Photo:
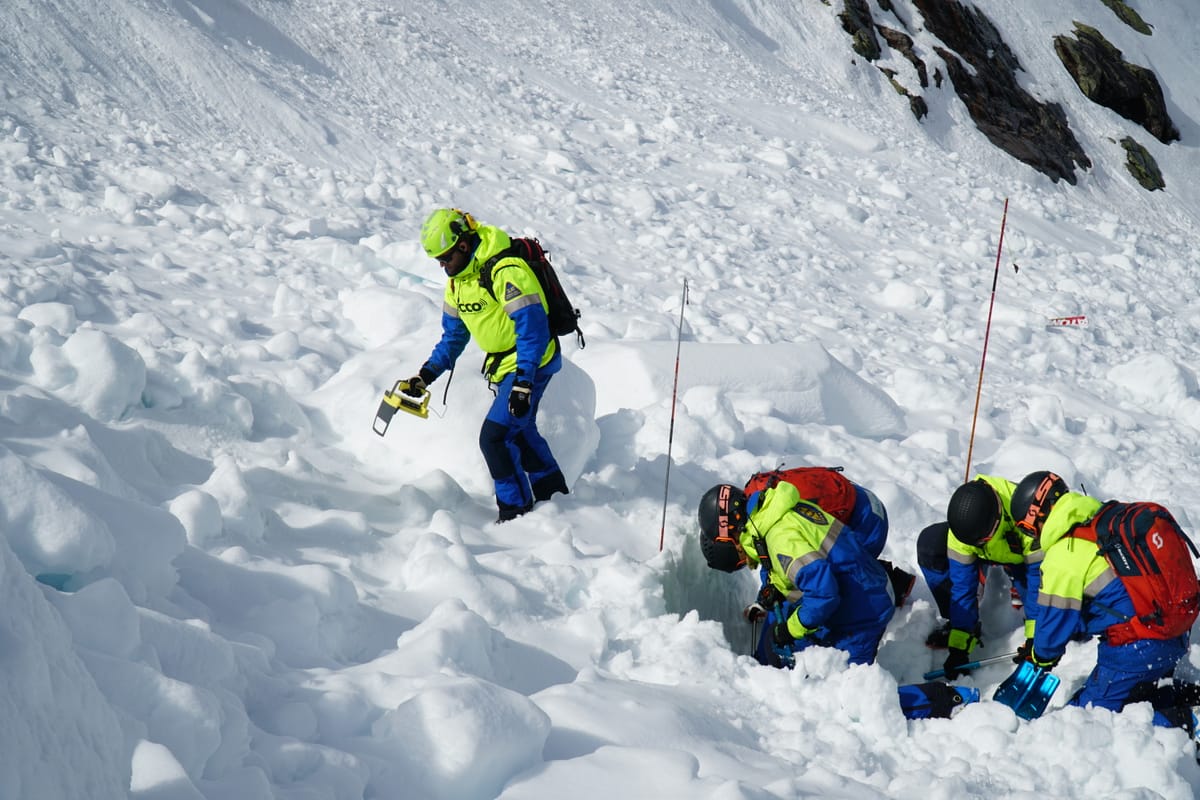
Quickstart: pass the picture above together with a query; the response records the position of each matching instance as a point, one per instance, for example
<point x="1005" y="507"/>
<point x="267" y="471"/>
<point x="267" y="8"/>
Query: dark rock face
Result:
<point x="916" y="103"/>
<point x="903" y="43"/>
<point x="1129" y="16"/>
<point x="1105" y="78"/>
<point x="983" y="70"/>
<point x="856" y="21"/>
<point x="1141" y="165"/>
<point x="1012" y="119"/>
<point x="967" y="31"/>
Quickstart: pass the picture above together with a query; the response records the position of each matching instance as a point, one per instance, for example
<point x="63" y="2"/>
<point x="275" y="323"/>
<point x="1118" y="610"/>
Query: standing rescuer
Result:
<point x="510" y="325"/>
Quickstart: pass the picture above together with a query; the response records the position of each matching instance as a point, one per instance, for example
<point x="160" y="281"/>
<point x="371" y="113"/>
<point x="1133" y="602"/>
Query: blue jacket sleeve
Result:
<point x="964" y="595"/>
<point x="533" y="335"/>
<point x="1055" y="627"/>
<point x="1033" y="583"/>
<point x="454" y="340"/>
<point x="820" y="592"/>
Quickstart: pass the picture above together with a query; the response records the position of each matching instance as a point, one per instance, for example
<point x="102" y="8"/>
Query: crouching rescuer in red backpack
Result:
<point x="1122" y="572"/>
<point x="822" y="584"/>
<point x="506" y="314"/>
<point x="826" y="588"/>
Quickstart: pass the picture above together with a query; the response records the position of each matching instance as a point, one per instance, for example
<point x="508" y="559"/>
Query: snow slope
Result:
<point x="218" y="582"/>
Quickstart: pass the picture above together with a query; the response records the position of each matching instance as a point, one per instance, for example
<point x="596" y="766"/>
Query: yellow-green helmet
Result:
<point x="442" y="230"/>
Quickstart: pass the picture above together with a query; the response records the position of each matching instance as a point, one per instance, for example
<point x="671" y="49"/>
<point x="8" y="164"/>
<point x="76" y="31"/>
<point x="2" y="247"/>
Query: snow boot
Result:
<point x="902" y="582"/>
<point x="934" y="700"/>
<point x="547" y="486"/>
<point x="508" y="512"/>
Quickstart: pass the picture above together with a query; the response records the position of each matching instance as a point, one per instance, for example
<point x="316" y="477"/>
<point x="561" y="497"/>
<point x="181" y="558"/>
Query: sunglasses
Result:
<point x="446" y="257"/>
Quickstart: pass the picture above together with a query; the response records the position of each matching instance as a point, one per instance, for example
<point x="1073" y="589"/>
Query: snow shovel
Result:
<point x="397" y="400"/>
<point x="1027" y="691"/>
<point x="970" y="665"/>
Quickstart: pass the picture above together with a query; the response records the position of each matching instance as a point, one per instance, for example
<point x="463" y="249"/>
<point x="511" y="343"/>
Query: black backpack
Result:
<point x="563" y="316"/>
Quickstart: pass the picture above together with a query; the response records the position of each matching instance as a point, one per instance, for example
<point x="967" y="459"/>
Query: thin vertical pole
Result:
<point x="987" y="332"/>
<point x="662" y="533"/>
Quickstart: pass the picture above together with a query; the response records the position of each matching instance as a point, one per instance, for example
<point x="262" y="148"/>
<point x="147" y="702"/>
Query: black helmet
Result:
<point x="973" y="512"/>
<point x="1033" y="498"/>
<point x="722" y="518"/>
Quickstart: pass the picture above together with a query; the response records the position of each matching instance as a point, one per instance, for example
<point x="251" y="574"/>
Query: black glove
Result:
<point x="1025" y="653"/>
<point x="519" y="397"/>
<point x="781" y="636"/>
<point x="418" y="383"/>
<point x="755" y="612"/>
<point x="1044" y="663"/>
<point x="769" y="596"/>
<point x="416" y="387"/>
<point x="954" y="661"/>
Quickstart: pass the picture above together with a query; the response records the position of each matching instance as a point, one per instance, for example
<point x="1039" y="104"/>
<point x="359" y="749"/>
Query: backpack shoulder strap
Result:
<point x="485" y="272"/>
<point x="489" y="266"/>
<point x="1087" y="530"/>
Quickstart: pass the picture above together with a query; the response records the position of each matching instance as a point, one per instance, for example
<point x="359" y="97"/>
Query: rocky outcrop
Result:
<point x="1012" y="119"/>
<point x="983" y="70"/>
<point x="903" y="44"/>
<point x="1106" y="78"/>
<point x="916" y="103"/>
<point x="856" y="21"/>
<point x="1141" y="165"/>
<point x="1128" y="16"/>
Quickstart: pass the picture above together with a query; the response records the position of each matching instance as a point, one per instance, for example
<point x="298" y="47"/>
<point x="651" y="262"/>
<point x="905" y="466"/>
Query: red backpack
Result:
<point x="825" y="486"/>
<point x="1153" y="558"/>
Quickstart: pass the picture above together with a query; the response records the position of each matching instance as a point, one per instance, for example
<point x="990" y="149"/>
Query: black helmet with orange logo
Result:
<point x="722" y="517"/>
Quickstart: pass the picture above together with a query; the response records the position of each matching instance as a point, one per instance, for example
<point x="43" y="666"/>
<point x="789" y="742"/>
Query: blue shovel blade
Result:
<point x="1027" y="691"/>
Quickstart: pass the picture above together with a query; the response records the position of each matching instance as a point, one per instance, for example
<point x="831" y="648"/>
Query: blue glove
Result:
<point x="519" y="398"/>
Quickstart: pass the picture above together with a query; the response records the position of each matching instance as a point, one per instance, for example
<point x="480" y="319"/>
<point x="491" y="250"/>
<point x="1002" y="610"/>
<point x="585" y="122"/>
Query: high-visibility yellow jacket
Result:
<point x="509" y="323"/>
